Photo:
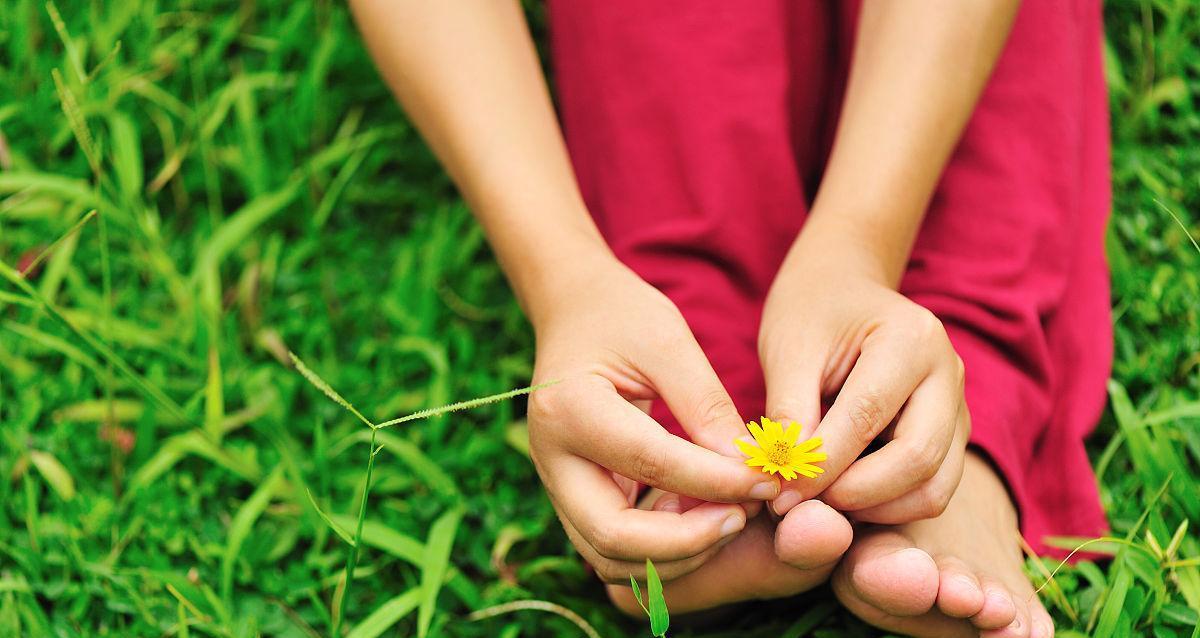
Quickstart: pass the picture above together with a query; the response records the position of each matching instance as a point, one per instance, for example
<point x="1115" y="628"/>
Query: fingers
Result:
<point x="880" y="383"/>
<point x="588" y="498"/>
<point x="589" y="419"/>
<point x="931" y="497"/>
<point x="794" y="394"/>
<point x="619" y="571"/>
<point x="689" y="386"/>
<point x="921" y="440"/>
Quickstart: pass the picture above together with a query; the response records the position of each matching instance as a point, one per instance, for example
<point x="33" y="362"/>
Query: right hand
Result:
<point x="612" y="340"/>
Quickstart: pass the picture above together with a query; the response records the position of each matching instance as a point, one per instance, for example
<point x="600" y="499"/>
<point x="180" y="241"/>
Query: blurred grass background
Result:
<point x="258" y="192"/>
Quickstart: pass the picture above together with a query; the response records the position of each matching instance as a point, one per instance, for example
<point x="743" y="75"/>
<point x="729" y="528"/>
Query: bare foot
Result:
<point x="955" y="575"/>
<point x="748" y="568"/>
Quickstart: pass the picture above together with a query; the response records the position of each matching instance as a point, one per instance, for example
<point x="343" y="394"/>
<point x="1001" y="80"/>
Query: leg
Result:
<point x="1010" y="258"/>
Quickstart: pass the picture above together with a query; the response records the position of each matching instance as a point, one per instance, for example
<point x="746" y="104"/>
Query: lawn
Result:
<point x="166" y="470"/>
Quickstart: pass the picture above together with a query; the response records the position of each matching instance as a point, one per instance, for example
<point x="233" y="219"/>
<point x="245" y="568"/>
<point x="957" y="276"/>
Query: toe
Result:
<point x="959" y="593"/>
<point x="812" y="535"/>
<point x="1019" y="627"/>
<point x="998" y="611"/>
<point x="886" y="571"/>
<point x="1043" y="624"/>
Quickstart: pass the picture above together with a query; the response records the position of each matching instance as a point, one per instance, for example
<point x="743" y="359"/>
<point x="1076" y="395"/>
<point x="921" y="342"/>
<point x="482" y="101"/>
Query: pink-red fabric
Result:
<point x="699" y="128"/>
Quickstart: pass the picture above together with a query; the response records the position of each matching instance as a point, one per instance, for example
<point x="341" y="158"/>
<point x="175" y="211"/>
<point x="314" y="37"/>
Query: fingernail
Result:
<point x="786" y="501"/>
<point x="764" y="491"/>
<point x="668" y="503"/>
<point x="732" y="525"/>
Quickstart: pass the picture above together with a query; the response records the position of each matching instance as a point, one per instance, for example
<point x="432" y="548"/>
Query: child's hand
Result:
<point x="832" y="328"/>
<point x="612" y="339"/>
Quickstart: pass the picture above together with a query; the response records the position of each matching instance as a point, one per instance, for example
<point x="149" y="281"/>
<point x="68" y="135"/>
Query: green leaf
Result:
<point x="637" y="594"/>
<point x="407" y="452"/>
<point x="1113" y="603"/>
<point x="384" y="537"/>
<point x="192" y="442"/>
<point x="243" y="524"/>
<point x="337" y="529"/>
<point x="437" y="561"/>
<point x="659" y="618"/>
<point x="55" y="473"/>
<point x="387" y="614"/>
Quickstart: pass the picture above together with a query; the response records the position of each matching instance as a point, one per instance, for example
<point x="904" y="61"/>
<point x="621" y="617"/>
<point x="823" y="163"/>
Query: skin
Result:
<point x="833" y="327"/>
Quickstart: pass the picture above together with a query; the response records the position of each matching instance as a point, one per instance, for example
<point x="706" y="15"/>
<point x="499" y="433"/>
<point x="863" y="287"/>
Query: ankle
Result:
<point x="981" y="483"/>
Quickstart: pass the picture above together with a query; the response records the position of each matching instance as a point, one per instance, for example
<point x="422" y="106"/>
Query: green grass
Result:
<point x="165" y="470"/>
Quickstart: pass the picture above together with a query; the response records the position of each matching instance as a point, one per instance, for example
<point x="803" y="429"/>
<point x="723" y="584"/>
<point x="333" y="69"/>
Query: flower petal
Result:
<point x="792" y="433"/>
<point x="810" y="444"/>
<point x="747" y="448"/>
<point x="757" y="432"/>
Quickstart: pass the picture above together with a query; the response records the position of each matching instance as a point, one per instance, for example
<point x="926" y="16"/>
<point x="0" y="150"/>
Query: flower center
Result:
<point x="780" y="453"/>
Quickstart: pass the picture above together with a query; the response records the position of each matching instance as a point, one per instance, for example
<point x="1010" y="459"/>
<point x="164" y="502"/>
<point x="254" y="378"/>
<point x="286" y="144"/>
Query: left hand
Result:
<point x="833" y="327"/>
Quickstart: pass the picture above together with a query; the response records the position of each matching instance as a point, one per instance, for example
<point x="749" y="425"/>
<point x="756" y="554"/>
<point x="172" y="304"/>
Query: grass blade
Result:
<point x="324" y="387"/>
<point x="352" y="553"/>
<point x="660" y="620"/>
<point x="386" y="615"/>
<point x="382" y="537"/>
<point x="465" y="405"/>
<point x="54" y="472"/>
<point x="139" y="382"/>
<point x="536" y="605"/>
<point x="243" y="524"/>
<point x="337" y="529"/>
<point x="437" y="560"/>
<point x="33" y="264"/>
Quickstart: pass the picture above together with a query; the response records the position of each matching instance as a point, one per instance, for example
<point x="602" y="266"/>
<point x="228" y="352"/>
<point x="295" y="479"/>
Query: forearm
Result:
<point x="469" y="78"/>
<point x="917" y="72"/>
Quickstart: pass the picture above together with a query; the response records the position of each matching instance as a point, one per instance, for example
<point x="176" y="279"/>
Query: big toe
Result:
<point x="812" y="535"/>
<point x="885" y="570"/>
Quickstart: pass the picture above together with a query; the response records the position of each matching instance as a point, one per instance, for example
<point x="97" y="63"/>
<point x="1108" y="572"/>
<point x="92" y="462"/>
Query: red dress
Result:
<point x="699" y="128"/>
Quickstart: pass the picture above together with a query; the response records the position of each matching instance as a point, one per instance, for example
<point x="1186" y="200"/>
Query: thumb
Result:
<point x="794" y="394"/>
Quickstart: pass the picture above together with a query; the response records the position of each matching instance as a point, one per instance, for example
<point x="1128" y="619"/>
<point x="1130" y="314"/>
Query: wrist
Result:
<point x="549" y="271"/>
<point x="833" y="248"/>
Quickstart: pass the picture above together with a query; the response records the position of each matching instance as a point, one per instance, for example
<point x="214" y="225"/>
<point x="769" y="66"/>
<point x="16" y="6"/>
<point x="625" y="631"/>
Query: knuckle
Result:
<point x="606" y="541"/>
<point x="928" y="326"/>
<point x="545" y="404"/>
<point x="714" y="408"/>
<point x="610" y="571"/>
<point x="932" y="502"/>
<point x="649" y="466"/>
<point x="925" y="458"/>
<point x="866" y="416"/>
<point x="841" y="499"/>
<point x="960" y="370"/>
<point x="788" y="410"/>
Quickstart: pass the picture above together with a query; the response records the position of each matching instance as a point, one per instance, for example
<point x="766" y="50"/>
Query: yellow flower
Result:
<point x="777" y="451"/>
